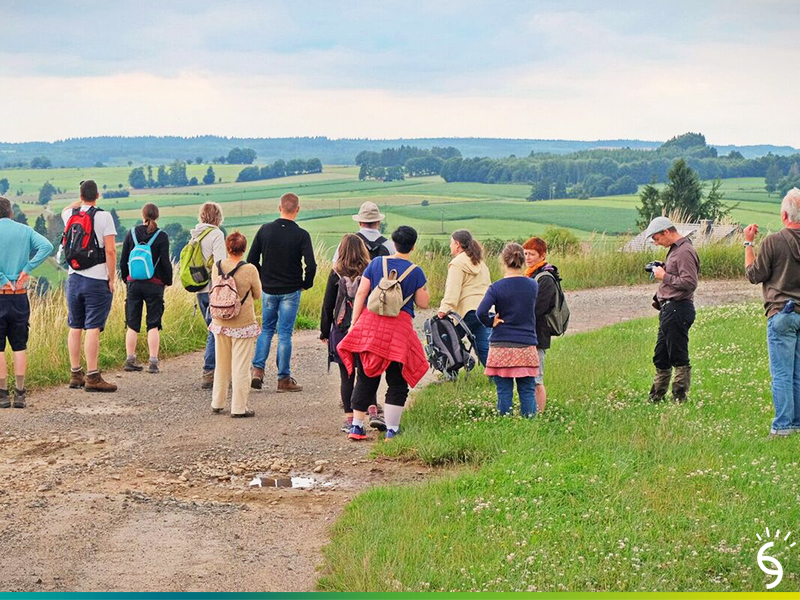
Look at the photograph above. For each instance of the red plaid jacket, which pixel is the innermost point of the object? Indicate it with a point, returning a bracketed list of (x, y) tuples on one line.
[(380, 341)]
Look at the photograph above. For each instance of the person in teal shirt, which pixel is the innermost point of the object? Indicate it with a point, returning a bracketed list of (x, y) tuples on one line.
[(16, 265)]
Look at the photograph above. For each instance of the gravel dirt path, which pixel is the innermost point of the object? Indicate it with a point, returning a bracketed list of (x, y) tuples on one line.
[(146, 490)]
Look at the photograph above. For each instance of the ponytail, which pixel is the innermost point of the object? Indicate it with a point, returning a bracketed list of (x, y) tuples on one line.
[(469, 245), (150, 216)]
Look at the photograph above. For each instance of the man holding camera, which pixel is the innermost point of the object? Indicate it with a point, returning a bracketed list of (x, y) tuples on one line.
[(675, 303)]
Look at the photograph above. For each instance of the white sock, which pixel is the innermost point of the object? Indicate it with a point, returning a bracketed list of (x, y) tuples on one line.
[(392, 414), (357, 421)]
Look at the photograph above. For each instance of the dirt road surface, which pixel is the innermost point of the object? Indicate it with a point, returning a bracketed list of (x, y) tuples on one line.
[(146, 490)]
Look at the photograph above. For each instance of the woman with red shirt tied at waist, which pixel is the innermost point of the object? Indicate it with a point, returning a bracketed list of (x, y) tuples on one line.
[(148, 292), (379, 344), (546, 275)]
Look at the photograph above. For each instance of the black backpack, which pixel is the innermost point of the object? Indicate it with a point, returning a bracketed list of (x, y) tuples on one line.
[(345, 297), (375, 248), (449, 344)]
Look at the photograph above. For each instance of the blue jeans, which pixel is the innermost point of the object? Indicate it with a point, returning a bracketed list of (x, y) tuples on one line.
[(526, 386), (783, 344), (278, 312), (481, 333), (210, 359)]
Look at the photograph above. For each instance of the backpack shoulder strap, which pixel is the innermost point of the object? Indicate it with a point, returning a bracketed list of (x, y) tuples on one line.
[(153, 239), (385, 261), (236, 268), (219, 269), (133, 236), (206, 231), (407, 272)]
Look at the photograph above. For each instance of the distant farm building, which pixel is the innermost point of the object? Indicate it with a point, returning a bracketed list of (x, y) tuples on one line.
[(702, 233)]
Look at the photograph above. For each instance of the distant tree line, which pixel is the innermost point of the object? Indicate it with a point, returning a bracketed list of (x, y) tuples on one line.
[(37, 162), (280, 168), (395, 163), (237, 156), (606, 172), (172, 175)]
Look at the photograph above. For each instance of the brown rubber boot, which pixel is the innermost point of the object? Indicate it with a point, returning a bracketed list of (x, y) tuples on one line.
[(95, 383), (77, 379), (288, 384), (257, 382), (681, 383), (207, 380), (660, 385)]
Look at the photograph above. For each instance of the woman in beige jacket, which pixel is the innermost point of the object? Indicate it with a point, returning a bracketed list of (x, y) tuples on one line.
[(467, 281), (234, 339)]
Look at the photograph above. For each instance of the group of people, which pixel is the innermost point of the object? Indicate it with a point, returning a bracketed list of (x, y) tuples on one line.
[(368, 307)]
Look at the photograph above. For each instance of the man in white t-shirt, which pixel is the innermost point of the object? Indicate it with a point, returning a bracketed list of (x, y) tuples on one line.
[(90, 289)]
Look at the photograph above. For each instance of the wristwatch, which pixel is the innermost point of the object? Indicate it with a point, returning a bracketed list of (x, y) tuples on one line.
[(747, 244)]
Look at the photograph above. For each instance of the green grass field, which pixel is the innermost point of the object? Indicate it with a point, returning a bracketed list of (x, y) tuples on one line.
[(604, 491), (328, 198)]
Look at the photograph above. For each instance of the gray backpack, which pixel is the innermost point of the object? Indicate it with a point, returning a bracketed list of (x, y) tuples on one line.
[(558, 318)]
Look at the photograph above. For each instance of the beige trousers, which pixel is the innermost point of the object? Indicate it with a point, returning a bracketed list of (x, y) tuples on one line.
[(234, 356)]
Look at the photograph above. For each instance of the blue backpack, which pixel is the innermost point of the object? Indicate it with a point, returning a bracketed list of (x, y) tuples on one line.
[(140, 261)]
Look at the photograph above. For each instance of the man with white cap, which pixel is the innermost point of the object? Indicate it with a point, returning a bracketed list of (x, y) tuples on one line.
[(369, 219), (675, 302)]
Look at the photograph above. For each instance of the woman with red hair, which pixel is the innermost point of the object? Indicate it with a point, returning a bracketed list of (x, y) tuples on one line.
[(546, 275)]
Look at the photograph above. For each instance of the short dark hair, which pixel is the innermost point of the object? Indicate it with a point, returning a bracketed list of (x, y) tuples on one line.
[(6, 212), (89, 191), (236, 243), (404, 238), (290, 202)]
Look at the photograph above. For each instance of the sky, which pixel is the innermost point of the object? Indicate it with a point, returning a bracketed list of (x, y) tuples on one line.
[(454, 68)]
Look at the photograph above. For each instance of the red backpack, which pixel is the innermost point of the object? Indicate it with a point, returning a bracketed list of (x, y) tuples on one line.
[(81, 248)]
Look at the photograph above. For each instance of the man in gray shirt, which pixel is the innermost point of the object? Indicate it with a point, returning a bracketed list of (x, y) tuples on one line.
[(675, 302), (777, 268)]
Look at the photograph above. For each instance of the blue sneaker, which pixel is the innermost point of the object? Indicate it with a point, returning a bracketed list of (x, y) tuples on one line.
[(391, 433), (357, 433)]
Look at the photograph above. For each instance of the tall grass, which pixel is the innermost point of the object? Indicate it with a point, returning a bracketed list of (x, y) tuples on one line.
[(597, 266), (48, 359), (603, 491)]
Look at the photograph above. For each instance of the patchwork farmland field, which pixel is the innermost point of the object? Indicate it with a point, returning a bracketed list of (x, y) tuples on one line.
[(328, 199)]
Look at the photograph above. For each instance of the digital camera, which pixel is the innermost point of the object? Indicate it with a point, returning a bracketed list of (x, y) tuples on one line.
[(652, 265)]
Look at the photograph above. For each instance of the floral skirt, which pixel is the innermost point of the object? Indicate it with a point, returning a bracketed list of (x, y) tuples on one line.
[(250, 331), (517, 362)]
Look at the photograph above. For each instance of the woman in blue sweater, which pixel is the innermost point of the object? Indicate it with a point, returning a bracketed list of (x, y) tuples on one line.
[(512, 352)]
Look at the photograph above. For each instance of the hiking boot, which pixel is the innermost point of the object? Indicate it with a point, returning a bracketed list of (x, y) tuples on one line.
[(153, 368), (131, 366), (247, 413), (376, 419), (257, 381), (775, 434), (19, 399), (5, 399), (288, 384), (216, 411), (95, 383), (660, 385), (681, 383), (207, 380), (77, 379), (347, 426), (357, 433)]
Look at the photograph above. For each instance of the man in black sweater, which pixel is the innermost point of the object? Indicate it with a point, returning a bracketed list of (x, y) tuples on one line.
[(278, 252)]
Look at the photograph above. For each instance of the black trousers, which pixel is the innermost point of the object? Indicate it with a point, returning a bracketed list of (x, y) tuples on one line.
[(346, 388), (367, 387), (672, 345)]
